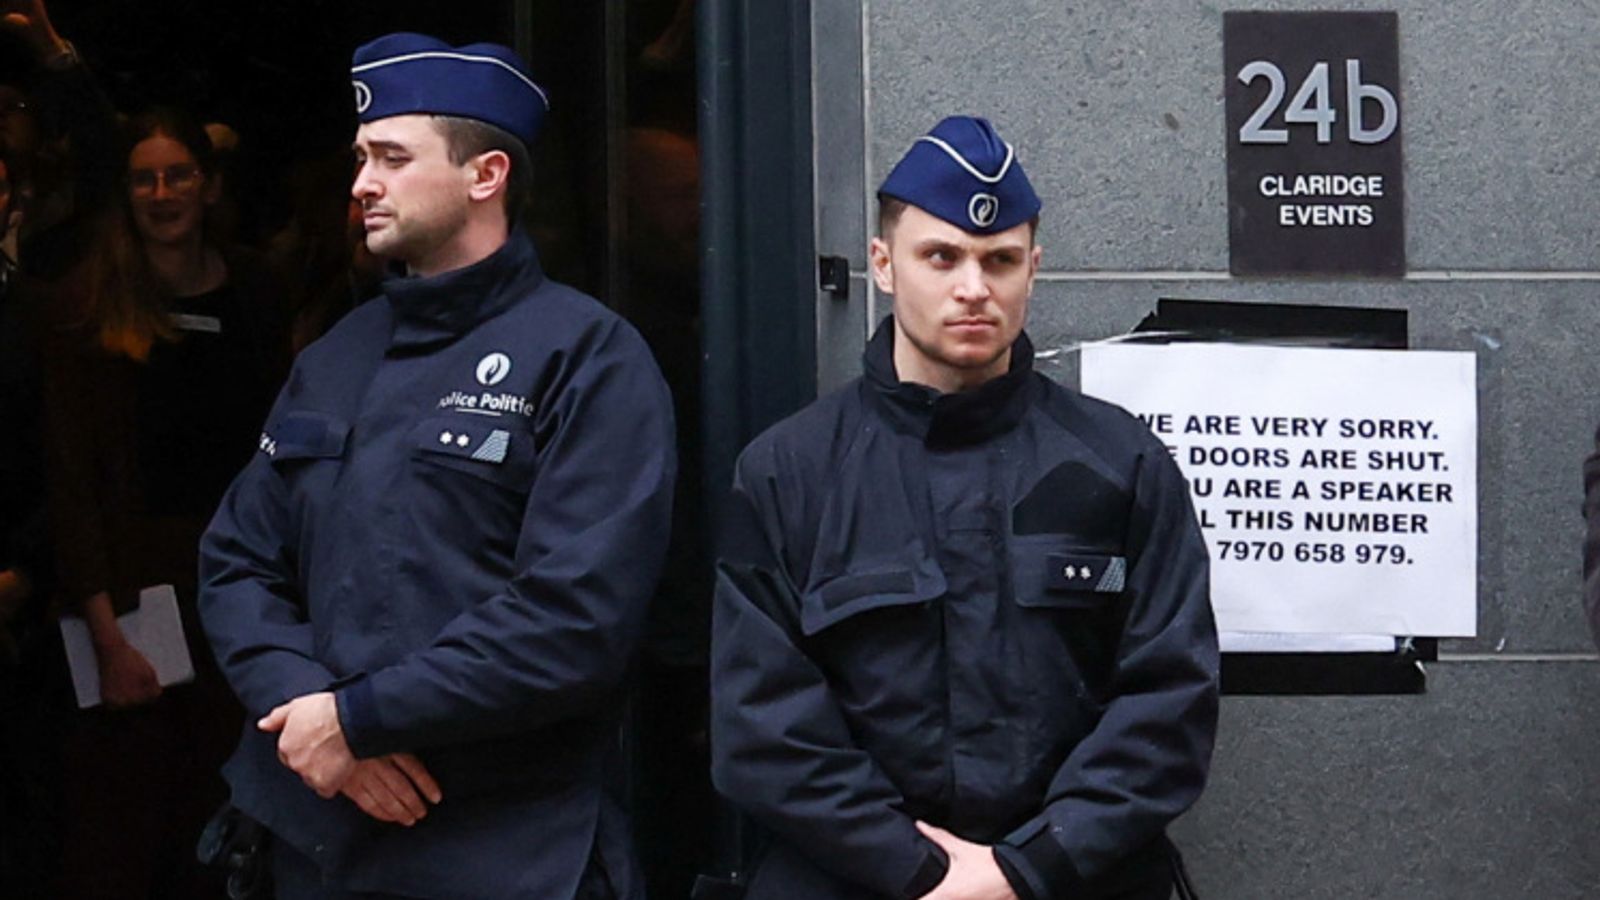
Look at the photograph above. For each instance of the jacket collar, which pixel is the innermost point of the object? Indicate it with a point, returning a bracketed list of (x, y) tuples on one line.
[(450, 304), (949, 420)]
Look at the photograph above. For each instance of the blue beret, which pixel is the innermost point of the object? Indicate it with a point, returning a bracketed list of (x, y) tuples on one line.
[(399, 74), (963, 173)]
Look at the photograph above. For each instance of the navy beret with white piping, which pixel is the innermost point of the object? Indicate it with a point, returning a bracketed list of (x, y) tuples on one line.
[(402, 73), (962, 172)]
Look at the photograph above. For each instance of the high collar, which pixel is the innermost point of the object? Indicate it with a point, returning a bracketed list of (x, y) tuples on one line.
[(445, 306), (949, 420)]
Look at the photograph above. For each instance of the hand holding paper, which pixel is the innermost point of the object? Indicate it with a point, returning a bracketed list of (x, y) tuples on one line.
[(126, 660), (127, 679)]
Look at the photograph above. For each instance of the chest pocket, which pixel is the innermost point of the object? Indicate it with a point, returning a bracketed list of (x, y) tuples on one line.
[(305, 436), (875, 633), (1073, 602), (492, 450), (854, 595)]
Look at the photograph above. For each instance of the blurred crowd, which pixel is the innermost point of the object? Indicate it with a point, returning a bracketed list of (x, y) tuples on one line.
[(143, 335)]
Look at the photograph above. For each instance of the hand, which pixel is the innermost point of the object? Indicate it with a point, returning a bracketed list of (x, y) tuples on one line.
[(392, 788), (126, 678), (30, 19), (973, 873), (311, 742)]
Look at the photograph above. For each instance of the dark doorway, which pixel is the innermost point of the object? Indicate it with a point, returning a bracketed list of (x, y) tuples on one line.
[(616, 215)]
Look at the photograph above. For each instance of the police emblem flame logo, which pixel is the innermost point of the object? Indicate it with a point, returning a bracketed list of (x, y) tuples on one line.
[(363, 95), (493, 369), (983, 209)]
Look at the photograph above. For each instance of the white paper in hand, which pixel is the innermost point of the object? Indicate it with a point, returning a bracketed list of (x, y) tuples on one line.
[(155, 629)]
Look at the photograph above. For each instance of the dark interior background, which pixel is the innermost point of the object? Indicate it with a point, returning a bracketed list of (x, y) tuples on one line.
[(616, 214)]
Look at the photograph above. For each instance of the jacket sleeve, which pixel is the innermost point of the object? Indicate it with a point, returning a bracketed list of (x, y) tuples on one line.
[(250, 607), (1591, 538), (781, 749), (557, 641), (1146, 761)]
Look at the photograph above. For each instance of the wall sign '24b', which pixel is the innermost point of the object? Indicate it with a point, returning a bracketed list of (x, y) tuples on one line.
[(1312, 105)]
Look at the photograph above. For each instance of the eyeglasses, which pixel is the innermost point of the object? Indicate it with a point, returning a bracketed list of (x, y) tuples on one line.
[(179, 178)]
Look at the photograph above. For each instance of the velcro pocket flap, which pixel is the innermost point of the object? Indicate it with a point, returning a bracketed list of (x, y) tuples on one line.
[(852, 594), (305, 435)]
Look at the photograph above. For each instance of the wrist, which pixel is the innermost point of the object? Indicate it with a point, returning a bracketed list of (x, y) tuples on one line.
[(101, 618), (1035, 864), (107, 636)]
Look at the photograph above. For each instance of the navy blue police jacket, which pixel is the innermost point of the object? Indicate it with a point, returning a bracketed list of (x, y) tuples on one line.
[(988, 611), (455, 522)]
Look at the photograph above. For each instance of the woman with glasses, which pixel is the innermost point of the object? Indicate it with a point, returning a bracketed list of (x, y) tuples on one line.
[(170, 350)]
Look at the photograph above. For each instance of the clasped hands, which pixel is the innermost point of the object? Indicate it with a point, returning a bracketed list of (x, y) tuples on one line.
[(394, 788), (973, 872)]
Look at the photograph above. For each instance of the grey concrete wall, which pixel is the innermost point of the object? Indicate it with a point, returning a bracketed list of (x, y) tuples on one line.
[(1489, 785)]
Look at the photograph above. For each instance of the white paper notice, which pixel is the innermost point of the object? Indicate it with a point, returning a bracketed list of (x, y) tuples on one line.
[(1256, 642), (155, 629), (1337, 489)]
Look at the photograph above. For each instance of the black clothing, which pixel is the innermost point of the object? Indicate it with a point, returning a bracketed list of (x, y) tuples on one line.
[(140, 453), (23, 541), (197, 428), (988, 611)]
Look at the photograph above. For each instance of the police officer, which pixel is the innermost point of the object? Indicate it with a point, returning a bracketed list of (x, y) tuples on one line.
[(427, 584), (962, 645)]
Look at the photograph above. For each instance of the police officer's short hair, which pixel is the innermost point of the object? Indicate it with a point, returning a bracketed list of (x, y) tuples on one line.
[(465, 138)]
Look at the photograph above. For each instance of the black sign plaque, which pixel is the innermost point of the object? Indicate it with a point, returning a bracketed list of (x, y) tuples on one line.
[(1315, 175)]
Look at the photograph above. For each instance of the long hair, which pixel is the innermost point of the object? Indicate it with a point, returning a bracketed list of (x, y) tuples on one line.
[(128, 307)]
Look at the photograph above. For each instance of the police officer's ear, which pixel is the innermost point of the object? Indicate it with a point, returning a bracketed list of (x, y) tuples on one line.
[(491, 173), (882, 264)]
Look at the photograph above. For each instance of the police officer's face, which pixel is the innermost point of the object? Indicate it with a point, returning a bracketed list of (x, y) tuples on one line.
[(167, 191), (414, 200), (959, 299)]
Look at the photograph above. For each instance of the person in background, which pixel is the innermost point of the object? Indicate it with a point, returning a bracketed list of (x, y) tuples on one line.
[(63, 131), (30, 712), (21, 496), (164, 352), (323, 249)]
